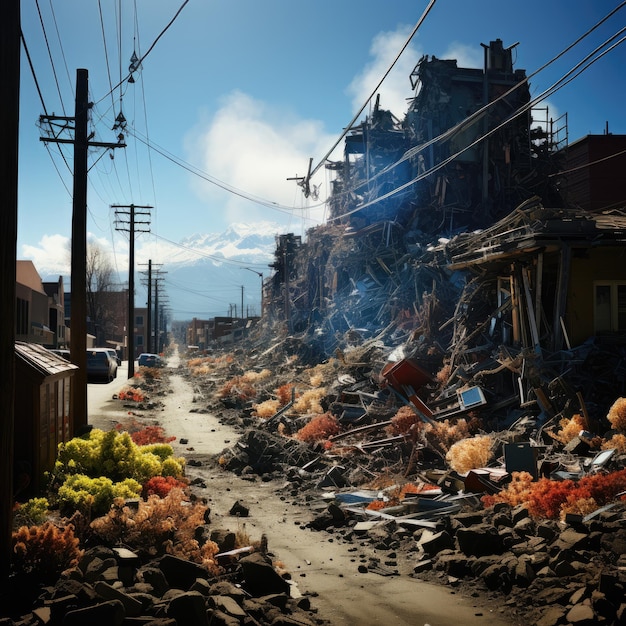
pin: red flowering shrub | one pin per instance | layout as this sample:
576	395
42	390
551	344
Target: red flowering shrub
551	498
149	435
161	486
131	393
319	428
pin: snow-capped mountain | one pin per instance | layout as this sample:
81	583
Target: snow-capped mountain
214	274
203	275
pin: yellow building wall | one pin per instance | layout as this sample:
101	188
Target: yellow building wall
606	263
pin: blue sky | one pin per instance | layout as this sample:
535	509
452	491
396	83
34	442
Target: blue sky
244	92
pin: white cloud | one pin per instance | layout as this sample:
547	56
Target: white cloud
466	56
396	87
51	256
254	148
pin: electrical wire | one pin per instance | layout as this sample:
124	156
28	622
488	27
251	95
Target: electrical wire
142	59
54	71
580	67
478	114
215	181
56	27
354	119
106	55
559	84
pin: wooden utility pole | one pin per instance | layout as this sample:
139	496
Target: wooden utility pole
149	306
78	314
127	221
9	114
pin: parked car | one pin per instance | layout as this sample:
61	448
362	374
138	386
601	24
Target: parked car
114	356
62	353
100	366
146	359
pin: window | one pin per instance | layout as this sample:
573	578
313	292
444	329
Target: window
21	317
138	320
609	307
139	340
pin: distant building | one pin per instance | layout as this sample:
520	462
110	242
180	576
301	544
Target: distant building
56	313
594	170
32	316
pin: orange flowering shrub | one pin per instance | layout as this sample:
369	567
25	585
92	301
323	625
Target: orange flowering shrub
377	505
310	401
442	435
266	409
320	427
149	435
552	499
144	435
405	422
570	428
617	414
237	387
158	526
131	393
617	442
443	374
44	551
283	394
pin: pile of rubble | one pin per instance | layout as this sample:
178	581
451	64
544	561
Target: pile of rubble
390	437
111	587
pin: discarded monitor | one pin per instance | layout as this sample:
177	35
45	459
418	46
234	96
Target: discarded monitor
471	397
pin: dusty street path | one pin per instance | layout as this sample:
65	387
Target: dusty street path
317	563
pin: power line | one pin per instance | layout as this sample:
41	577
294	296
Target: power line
354	119
573	73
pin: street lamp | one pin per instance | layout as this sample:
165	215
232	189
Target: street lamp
260	274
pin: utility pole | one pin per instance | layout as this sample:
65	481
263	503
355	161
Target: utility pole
149	305
151	326
127	221
260	275
9	114
156	319
78	315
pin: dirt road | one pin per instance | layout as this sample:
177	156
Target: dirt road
318	564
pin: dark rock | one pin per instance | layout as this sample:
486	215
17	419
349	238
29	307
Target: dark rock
109	613
433	543
227	605
216	617
479	540
581	614
260	577
189	609
132	606
239	510
180	573
225	539
551	616
155	578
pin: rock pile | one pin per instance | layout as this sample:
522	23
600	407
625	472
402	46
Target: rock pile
549	572
110	587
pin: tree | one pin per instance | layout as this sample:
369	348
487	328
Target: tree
99	284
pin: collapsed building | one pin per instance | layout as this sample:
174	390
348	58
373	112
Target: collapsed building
467	234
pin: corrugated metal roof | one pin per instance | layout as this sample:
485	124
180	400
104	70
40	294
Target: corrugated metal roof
43	360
